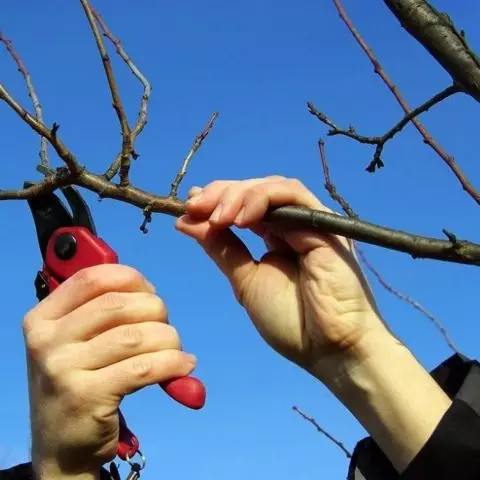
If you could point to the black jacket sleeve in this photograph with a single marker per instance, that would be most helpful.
(453, 450)
(24, 472)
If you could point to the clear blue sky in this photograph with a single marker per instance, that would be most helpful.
(257, 63)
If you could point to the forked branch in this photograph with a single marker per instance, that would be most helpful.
(127, 147)
(147, 90)
(451, 249)
(332, 190)
(410, 115)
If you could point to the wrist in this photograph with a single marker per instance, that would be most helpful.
(390, 393)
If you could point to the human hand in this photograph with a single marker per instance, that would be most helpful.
(307, 295)
(99, 336)
(309, 300)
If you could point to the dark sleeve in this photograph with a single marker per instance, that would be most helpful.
(453, 450)
(24, 472)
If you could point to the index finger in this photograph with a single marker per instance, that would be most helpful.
(88, 284)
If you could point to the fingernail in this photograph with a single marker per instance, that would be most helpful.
(191, 358)
(216, 213)
(194, 191)
(151, 286)
(194, 200)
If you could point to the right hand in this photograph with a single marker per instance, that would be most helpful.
(307, 295)
(99, 336)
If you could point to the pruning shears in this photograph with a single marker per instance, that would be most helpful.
(69, 243)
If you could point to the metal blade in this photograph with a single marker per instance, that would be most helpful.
(49, 214)
(82, 216)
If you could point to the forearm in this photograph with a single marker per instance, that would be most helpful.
(391, 394)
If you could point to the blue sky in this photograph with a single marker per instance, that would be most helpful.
(257, 63)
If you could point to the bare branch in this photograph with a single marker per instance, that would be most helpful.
(186, 162)
(409, 300)
(311, 420)
(31, 93)
(451, 250)
(127, 148)
(330, 187)
(438, 35)
(42, 130)
(427, 138)
(380, 141)
(463, 252)
(147, 90)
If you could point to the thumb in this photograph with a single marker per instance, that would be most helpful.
(225, 248)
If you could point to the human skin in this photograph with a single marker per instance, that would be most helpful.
(104, 334)
(309, 300)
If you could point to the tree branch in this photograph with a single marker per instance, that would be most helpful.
(127, 147)
(147, 90)
(311, 420)
(427, 138)
(31, 93)
(409, 300)
(457, 251)
(42, 130)
(186, 162)
(436, 32)
(451, 250)
(330, 187)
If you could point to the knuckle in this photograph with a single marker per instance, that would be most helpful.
(171, 335)
(260, 189)
(216, 184)
(131, 275)
(29, 322)
(37, 341)
(53, 367)
(275, 178)
(113, 301)
(96, 277)
(142, 368)
(130, 336)
(295, 183)
(157, 307)
(89, 278)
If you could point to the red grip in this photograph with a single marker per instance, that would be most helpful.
(189, 391)
(128, 444)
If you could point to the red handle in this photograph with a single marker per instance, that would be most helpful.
(188, 391)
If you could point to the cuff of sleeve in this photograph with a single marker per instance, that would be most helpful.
(453, 449)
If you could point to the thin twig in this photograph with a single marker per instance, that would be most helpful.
(427, 138)
(117, 102)
(42, 130)
(409, 300)
(31, 93)
(380, 141)
(311, 420)
(330, 187)
(186, 162)
(451, 250)
(147, 90)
